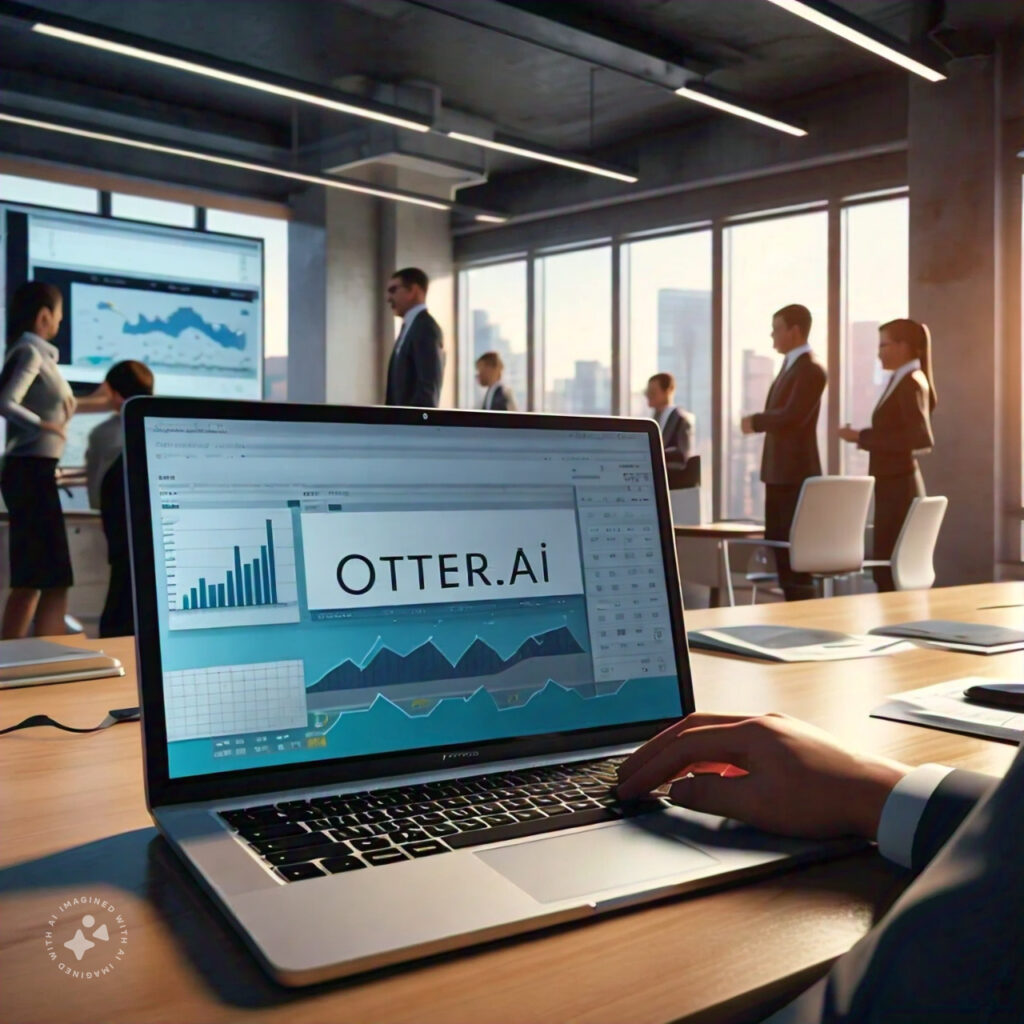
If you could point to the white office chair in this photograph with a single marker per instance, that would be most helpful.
(913, 555)
(827, 535)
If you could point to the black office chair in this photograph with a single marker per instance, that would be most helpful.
(682, 477)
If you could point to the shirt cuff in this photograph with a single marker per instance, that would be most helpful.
(903, 810)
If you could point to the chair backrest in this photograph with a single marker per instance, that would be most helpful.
(913, 555)
(683, 476)
(685, 504)
(827, 535)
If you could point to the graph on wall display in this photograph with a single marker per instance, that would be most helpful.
(229, 567)
(174, 333)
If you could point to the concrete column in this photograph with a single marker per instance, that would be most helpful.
(307, 301)
(953, 168)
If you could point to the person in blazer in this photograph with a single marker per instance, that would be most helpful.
(677, 425)
(416, 368)
(790, 424)
(949, 947)
(498, 396)
(900, 427)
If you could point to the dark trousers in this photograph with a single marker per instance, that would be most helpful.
(893, 496)
(779, 505)
(118, 618)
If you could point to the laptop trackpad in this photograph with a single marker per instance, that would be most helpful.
(618, 856)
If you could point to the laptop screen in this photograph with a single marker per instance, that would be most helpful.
(335, 590)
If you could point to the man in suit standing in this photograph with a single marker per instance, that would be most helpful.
(417, 360)
(790, 423)
(498, 396)
(677, 425)
(949, 948)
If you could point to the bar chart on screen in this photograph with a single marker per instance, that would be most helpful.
(229, 567)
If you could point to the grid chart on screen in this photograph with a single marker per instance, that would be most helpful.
(228, 699)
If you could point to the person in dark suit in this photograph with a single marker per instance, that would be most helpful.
(104, 469)
(789, 423)
(949, 948)
(677, 425)
(900, 427)
(416, 368)
(498, 396)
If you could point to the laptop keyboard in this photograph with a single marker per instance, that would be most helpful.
(325, 835)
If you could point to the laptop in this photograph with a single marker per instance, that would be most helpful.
(389, 661)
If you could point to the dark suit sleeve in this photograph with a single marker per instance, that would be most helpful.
(914, 432)
(499, 400)
(949, 948)
(806, 393)
(428, 365)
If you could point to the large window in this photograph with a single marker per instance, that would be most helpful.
(668, 319)
(274, 233)
(38, 192)
(492, 318)
(574, 330)
(767, 264)
(875, 270)
(153, 211)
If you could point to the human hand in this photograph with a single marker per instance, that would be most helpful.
(747, 424)
(848, 433)
(53, 428)
(796, 779)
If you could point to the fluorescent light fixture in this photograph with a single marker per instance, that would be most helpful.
(490, 218)
(224, 161)
(551, 158)
(709, 100)
(817, 15)
(248, 82)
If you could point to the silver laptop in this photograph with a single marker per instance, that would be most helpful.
(389, 660)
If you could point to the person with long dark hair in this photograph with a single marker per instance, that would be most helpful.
(900, 429)
(37, 403)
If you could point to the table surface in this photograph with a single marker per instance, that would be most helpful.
(726, 529)
(73, 822)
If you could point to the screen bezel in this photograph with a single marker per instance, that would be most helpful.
(162, 790)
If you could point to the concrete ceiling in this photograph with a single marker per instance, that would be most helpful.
(586, 77)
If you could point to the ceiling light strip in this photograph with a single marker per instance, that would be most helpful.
(699, 96)
(223, 161)
(817, 15)
(246, 81)
(551, 158)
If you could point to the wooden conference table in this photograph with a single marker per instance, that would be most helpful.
(699, 550)
(73, 823)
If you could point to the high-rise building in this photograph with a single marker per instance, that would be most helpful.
(684, 346)
(746, 495)
(487, 337)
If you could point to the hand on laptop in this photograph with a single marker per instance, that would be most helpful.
(798, 780)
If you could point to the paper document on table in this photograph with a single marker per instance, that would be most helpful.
(791, 643)
(944, 706)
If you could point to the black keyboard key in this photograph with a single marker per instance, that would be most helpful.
(557, 809)
(446, 829)
(378, 857)
(386, 828)
(236, 818)
(293, 842)
(425, 848)
(487, 808)
(454, 801)
(298, 854)
(460, 813)
(470, 825)
(368, 845)
(353, 832)
(544, 802)
(254, 831)
(317, 824)
(530, 814)
(493, 820)
(581, 805)
(407, 835)
(297, 872)
(530, 828)
(517, 804)
(336, 865)
(435, 818)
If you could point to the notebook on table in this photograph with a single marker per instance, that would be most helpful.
(970, 637)
(32, 662)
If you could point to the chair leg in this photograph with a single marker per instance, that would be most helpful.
(828, 586)
(753, 593)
